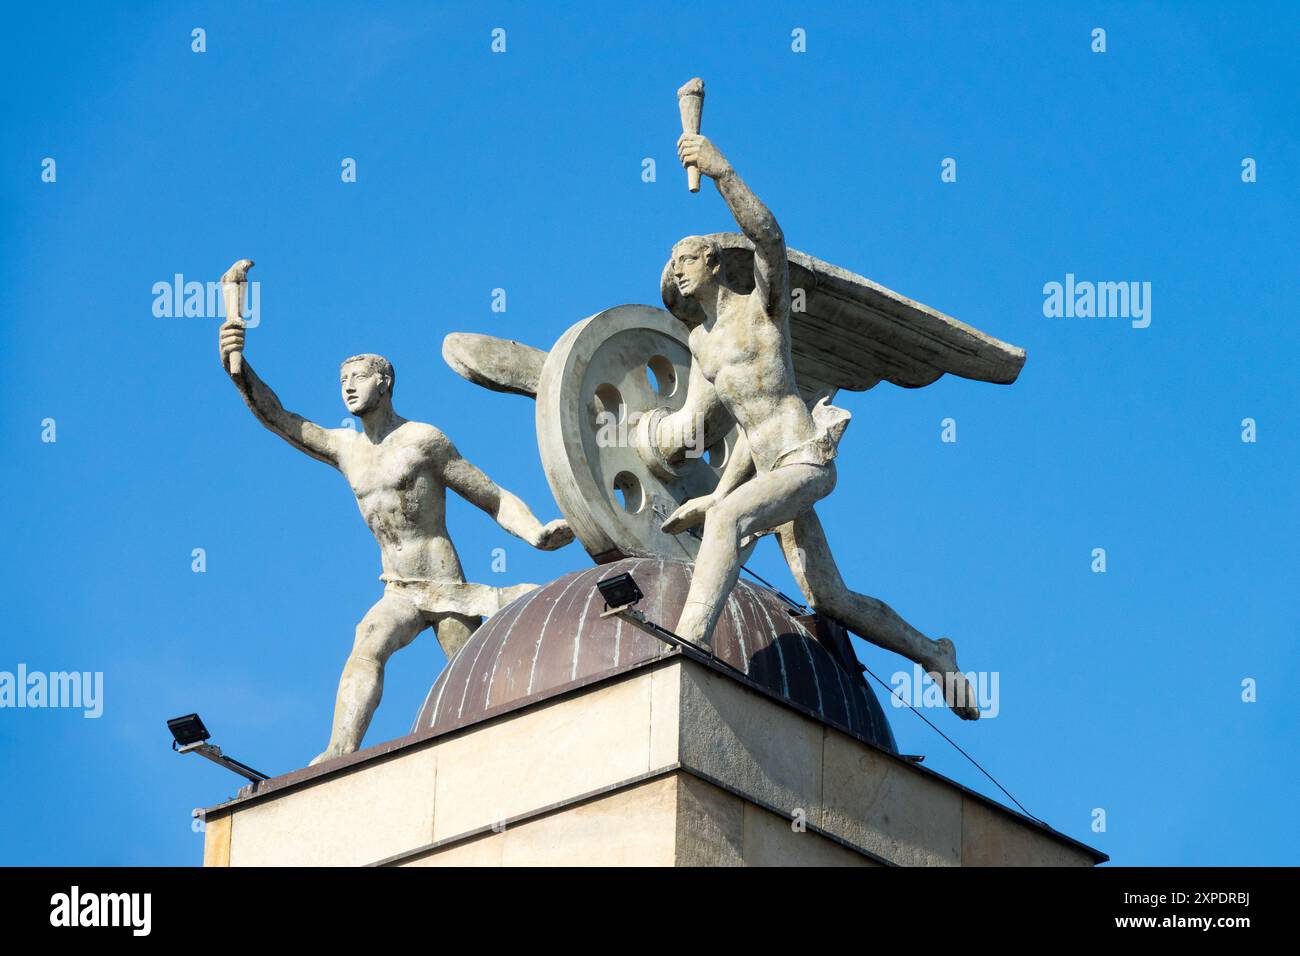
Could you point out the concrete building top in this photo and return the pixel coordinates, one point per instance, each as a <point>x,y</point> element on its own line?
<point>276,789</point>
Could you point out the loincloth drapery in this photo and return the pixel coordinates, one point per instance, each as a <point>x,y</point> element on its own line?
<point>830,422</point>
<point>454,597</point>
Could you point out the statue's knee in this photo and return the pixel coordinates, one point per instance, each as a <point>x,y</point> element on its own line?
<point>723,525</point>
<point>828,600</point>
<point>370,648</point>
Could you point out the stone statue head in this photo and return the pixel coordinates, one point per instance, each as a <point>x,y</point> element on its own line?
<point>694,271</point>
<point>367,382</point>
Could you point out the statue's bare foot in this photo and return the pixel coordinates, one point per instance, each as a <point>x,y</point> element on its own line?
<point>957,690</point>
<point>329,754</point>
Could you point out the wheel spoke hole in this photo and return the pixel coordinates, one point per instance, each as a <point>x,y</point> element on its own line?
<point>628,491</point>
<point>662,376</point>
<point>607,406</point>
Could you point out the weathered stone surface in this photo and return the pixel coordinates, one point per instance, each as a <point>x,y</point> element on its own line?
<point>891,809</point>
<point>771,841</point>
<point>769,753</point>
<point>710,824</point>
<point>502,365</point>
<point>633,827</point>
<point>216,842</point>
<point>992,837</point>
<point>543,756</point>
<point>485,850</point>
<point>348,820</point>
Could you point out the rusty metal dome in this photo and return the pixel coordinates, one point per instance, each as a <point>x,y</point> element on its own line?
<point>554,639</point>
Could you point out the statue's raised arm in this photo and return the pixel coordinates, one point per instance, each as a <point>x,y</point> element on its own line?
<point>302,433</point>
<point>771,270</point>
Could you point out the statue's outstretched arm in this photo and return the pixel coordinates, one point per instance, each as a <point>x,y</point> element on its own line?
<point>771,270</point>
<point>299,432</point>
<point>507,510</point>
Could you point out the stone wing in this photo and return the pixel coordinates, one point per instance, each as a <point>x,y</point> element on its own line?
<point>852,332</point>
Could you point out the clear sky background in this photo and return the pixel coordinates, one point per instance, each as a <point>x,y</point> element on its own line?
<point>1120,691</point>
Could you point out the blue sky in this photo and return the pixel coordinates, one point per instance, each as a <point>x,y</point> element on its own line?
<point>522,170</point>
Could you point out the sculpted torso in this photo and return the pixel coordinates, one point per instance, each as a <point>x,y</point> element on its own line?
<point>745,355</point>
<point>399,470</point>
<point>401,495</point>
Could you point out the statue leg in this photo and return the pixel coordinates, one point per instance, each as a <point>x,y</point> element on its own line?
<point>807,552</point>
<point>765,501</point>
<point>387,627</point>
<point>454,630</point>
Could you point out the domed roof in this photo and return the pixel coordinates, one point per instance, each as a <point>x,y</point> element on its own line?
<point>554,638</point>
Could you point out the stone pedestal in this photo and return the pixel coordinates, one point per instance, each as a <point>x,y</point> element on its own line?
<point>670,762</point>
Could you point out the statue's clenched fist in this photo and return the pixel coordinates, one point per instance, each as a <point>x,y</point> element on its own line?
<point>553,535</point>
<point>230,338</point>
<point>696,150</point>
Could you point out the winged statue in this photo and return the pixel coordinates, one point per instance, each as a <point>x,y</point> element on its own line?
<point>715,414</point>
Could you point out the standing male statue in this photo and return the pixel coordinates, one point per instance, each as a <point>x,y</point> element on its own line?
<point>399,471</point>
<point>783,462</point>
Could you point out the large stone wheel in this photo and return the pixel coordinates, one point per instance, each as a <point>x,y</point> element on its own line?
<point>598,387</point>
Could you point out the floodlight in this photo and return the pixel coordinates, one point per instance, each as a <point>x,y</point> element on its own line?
<point>620,591</point>
<point>192,737</point>
<point>188,730</point>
